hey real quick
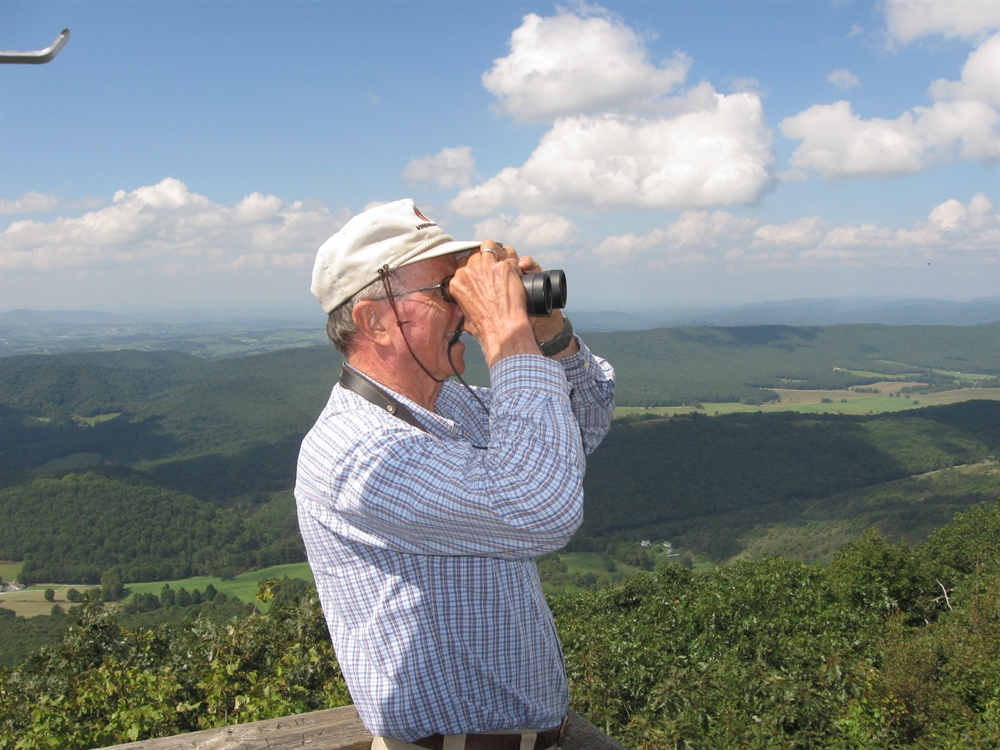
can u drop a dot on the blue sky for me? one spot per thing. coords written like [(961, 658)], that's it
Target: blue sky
[(195, 154)]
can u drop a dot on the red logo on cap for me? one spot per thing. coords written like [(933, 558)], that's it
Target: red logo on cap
[(417, 212)]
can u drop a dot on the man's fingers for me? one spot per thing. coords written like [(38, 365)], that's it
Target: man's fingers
[(527, 264), (489, 247)]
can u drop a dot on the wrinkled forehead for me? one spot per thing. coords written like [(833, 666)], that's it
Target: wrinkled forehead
[(431, 270)]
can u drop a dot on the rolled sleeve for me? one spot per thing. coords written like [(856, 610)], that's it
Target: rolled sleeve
[(593, 394)]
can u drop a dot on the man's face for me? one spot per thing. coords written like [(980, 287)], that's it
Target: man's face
[(432, 320)]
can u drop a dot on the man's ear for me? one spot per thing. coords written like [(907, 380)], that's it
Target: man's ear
[(371, 321)]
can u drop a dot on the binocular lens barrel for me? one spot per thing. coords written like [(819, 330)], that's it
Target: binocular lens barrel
[(545, 290)]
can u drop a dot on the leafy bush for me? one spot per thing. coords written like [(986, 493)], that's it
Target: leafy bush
[(891, 646), (104, 684)]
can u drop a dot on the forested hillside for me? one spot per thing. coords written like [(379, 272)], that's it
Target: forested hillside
[(890, 646), (155, 464), (75, 527), (704, 482), (671, 366)]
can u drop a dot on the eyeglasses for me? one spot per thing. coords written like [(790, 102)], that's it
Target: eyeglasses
[(430, 288)]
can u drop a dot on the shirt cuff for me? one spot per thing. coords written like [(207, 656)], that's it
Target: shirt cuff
[(580, 366)]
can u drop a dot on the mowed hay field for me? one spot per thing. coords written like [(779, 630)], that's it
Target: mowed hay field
[(30, 602), (844, 401)]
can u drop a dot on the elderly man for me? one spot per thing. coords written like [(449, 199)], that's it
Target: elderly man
[(423, 502)]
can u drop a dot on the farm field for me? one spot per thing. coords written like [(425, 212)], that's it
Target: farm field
[(10, 569), (30, 602), (811, 401), (582, 563), (244, 585), (72, 461)]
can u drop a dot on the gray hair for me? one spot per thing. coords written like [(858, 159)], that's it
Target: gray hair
[(340, 327)]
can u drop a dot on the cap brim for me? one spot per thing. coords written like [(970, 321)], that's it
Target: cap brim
[(445, 248)]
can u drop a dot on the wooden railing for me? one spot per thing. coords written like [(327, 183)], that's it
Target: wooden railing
[(332, 729)]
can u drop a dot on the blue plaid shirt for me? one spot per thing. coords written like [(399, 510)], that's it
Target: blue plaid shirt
[(422, 543)]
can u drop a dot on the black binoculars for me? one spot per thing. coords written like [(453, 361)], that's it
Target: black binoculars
[(546, 290)]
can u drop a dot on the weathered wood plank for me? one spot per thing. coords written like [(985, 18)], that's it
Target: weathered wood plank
[(582, 735), (331, 729)]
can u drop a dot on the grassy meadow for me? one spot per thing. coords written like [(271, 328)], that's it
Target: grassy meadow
[(841, 401), (30, 602), (9, 569), (244, 585)]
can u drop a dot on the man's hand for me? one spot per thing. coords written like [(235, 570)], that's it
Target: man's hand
[(489, 290)]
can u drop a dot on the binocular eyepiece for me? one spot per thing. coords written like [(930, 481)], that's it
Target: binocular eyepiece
[(546, 290)]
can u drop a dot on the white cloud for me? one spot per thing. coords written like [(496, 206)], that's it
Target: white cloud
[(962, 123), (452, 167), (684, 240), (746, 85), (838, 143), (951, 228), (843, 79), (715, 150), (980, 77), (256, 208), (967, 19), (169, 224), (30, 201), (528, 231), (583, 62), (799, 233), (700, 228)]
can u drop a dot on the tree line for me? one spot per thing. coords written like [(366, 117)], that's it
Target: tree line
[(78, 527)]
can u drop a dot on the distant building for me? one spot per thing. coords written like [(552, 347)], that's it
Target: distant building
[(645, 542), (667, 545)]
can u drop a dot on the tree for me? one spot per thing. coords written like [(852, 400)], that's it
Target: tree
[(167, 596), (112, 587), (74, 596), (57, 611), (50, 595), (183, 597)]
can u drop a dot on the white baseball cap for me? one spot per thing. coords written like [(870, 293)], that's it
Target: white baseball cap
[(394, 234)]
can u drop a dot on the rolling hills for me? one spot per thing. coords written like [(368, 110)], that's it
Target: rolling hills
[(105, 455)]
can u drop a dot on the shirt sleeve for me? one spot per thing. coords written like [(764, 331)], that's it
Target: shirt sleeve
[(593, 394), (378, 481)]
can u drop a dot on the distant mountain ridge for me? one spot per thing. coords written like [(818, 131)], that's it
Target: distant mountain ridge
[(801, 312), (795, 312)]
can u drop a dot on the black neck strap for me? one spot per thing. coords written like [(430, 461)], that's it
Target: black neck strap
[(371, 393)]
